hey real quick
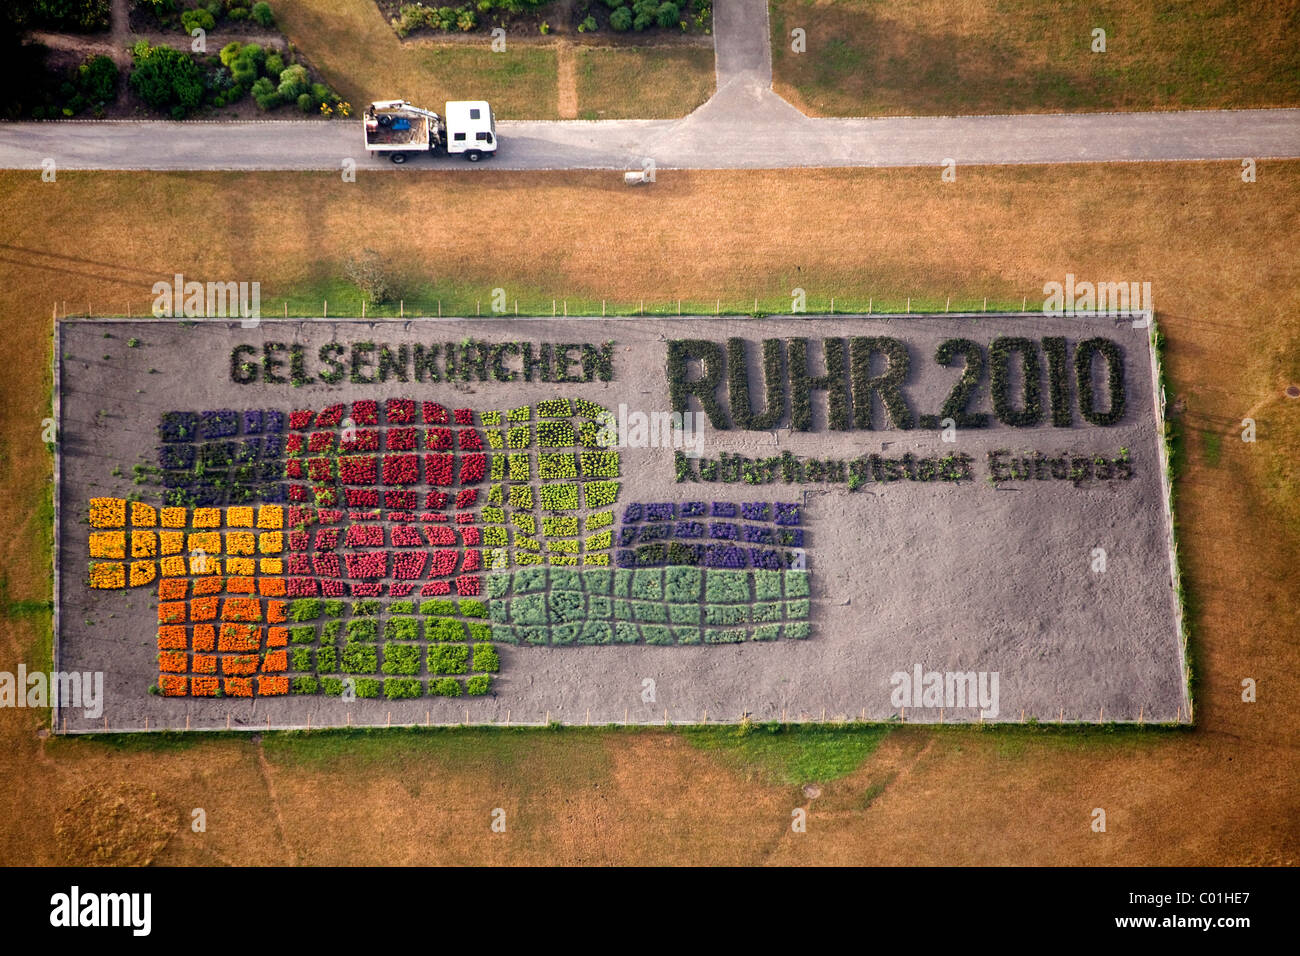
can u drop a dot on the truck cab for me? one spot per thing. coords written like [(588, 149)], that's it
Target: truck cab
[(471, 129)]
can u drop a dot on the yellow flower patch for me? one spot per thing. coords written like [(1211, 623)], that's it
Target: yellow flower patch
[(239, 565), (107, 576), (272, 566), (144, 544), (107, 512), (240, 516), (142, 572), (206, 541), (172, 542), (207, 517), (270, 517), (270, 542), (173, 517), (143, 515), (173, 567), (108, 544), (239, 542)]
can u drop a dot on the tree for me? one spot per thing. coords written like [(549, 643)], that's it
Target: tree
[(368, 272)]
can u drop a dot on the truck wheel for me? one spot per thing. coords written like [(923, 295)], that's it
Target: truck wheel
[(398, 158), (473, 155)]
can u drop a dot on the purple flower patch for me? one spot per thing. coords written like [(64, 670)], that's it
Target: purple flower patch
[(723, 529), (724, 556), (724, 509), (756, 511), (787, 513), (757, 534), (689, 529), (790, 537), (694, 509), (766, 558), (659, 512), (219, 424), (632, 513)]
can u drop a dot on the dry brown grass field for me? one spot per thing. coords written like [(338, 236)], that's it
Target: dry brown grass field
[(923, 57), (1220, 255)]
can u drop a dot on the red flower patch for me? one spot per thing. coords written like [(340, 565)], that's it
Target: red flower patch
[(437, 469), (329, 517), (436, 587), (301, 516), (432, 516), (401, 469), (401, 439), (469, 586), (444, 562), (367, 564), (469, 439), (464, 416), (400, 588), (299, 493), (300, 587), (404, 536), (361, 441), (466, 497), (472, 468), (364, 536), (327, 539), (298, 564), (367, 590), (297, 540), (293, 444), (361, 497), (440, 535), (365, 412), (400, 411), (357, 470), (326, 565), (435, 414), (438, 439), (318, 442), (464, 517), (403, 500), (473, 561), (410, 564), (301, 419), (293, 468), (470, 536), (330, 417), (318, 469), (332, 588), (437, 500)]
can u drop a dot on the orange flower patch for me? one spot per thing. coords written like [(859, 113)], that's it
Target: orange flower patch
[(169, 611), (174, 662), (203, 686), (171, 637), (239, 664), (204, 664), (209, 585), (240, 586), (203, 609), (275, 611), (239, 686), (277, 637), (172, 589), (239, 637), (241, 609), (205, 637), (273, 587), (173, 685), (276, 661), (272, 686)]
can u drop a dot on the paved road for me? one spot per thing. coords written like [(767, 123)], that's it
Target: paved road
[(744, 125)]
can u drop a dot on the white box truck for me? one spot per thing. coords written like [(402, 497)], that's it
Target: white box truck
[(396, 129)]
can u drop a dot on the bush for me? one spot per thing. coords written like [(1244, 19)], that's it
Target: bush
[(445, 687), (304, 102), (71, 14), (97, 79), (230, 52), (667, 15), (621, 19), (166, 79), (265, 94), (200, 19), (263, 15), (293, 82), (274, 66)]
